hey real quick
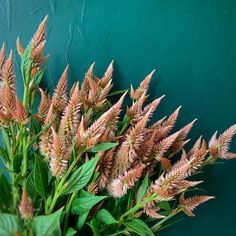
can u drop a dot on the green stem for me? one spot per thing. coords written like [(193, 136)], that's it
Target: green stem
[(60, 187), (157, 226), (67, 211), (24, 150), (137, 207), (25, 96)]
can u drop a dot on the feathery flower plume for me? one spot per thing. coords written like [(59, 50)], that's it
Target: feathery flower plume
[(19, 114), (8, 75), (44, 105), (128, 151), (25, 208), (180, 141), (37, 47), (45, 143), (19, 47), (107, 77), (219, 147), (189, 204), (92, 134), (119, 186), (153, 104), (105, 168), (166, 186), (59, 156), (2, 56), (70, 119), (143, 87), (59, 98)]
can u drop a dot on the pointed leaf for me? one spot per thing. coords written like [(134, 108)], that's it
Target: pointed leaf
[(81, 176), (48, 224), (9, 225), (41, 177), (106, 217), (102, 147), (142, 189)]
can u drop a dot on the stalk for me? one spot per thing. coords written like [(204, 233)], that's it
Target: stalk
[(137, 207), (67, 211), (157, 226)]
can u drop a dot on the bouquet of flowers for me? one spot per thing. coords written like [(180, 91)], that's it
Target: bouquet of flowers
[(78, 165)]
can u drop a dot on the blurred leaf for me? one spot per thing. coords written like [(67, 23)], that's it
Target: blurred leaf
[(41, 177), (164, 205), (5, 191), (9, 225), (30, 186), (84, 204), (81, 176), (142, 189), (117, 92), (70, 232), (81, 220), (6, 140), (4, 155), (102, 147), (106, 217), (94, 227), (48, 224), (26, 64), (138, 227), (17, 160)]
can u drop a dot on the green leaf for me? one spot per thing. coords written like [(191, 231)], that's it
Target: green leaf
[(30, 186), (26, 64), (106, 217), (5, 191), (81, 176), (139, 227), (9, 225), (142, 189), (102, 147), (81, 220), (48, 224), (84, 204), (41, 177), (4, 155), (17, 160), (117, 92), (6, 140), (164, 205), (94, 226), (70, 232)]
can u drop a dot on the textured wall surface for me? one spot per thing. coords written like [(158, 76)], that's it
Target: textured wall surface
[(192, 44)]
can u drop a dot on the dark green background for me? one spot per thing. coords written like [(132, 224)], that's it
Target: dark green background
[(192, 44)]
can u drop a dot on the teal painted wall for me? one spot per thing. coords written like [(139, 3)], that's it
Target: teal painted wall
[(192, 44)]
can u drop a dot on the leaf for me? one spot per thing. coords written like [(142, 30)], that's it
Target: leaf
[(41, 177), (142, 189), (6, 140), (17, 159), (106, 217), (48, 224), (81, 176), (94, 227), (84, 204), (30, 186), (5, 191), (102, 147), (117, 92), (139, 227), (81, 220), (9, 224), (26, 64), (70, 232), (164, 205), (4, 155)]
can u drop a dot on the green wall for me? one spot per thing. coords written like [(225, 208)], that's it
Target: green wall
[(192, 44)]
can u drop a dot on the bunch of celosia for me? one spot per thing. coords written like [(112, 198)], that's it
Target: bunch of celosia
[(75, 165)]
